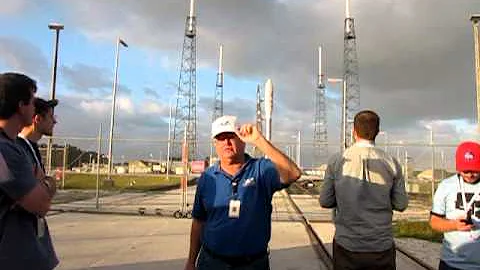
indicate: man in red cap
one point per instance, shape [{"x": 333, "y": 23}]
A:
[{"x": 456, "y": 211}]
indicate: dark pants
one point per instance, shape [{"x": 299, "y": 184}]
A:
[
  {"x": 444, "y": 266},
  {"x": 208, "y": 261},
  {"x": 348, "y": 260}
]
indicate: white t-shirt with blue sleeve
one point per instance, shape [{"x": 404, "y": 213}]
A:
[{"x": 460, "y": 249}]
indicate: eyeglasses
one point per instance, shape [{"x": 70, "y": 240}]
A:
[{"x": 225, "y": 136}]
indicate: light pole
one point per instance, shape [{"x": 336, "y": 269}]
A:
[
  {"x": 406, "y": 168},
  {"x": 169, "y": 134},
  {"x": 476, "y": 37},
  {"x": 299, "y": 149},
  {"x": 56, "y": 27},
  {"x": 112, "y": 117},
  {"x": 430, "y": 127},
  {"x": 90, "y": 162}
]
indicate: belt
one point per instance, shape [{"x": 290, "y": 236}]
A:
[{"x": 235, "y": 260}]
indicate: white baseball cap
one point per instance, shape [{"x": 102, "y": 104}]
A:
[{"x": 226, "y": 123}]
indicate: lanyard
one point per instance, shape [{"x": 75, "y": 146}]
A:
[
  {"x": 31, "y": 149},
  {"x": 466, "y": 207},
  {"x": 234, "y": 187}
]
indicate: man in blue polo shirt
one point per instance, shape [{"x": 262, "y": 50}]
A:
[{"x": 231, "y": 224}]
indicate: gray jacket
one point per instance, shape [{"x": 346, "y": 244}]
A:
[{"x": 364, "y": 185}]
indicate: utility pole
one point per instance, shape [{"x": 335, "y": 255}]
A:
[
  {"x": 112, "y": 115},
  {"x": 476, "y": 37},
  {"x": 299, "y": 149},
  {"x": 56, "y": 27}
]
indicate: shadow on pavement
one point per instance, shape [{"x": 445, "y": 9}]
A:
[{"x": 301, "y": 258}]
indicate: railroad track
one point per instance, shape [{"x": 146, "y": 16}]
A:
[
  {"x": 315, "y": 240},
  {"x": 407, "y": 259}
]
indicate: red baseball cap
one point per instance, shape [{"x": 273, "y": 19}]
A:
[{"x": 467, "y": 157}]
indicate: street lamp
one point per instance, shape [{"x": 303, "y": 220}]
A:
[
  {"x": 112, "y": 119},
  {"x": 169, "y": 134},
  {"x": 430, "y": 127},
  {"x": 298, "y": 148},
  {"x": 476, "y": 36},
  {"x": 56, "y": 27}
]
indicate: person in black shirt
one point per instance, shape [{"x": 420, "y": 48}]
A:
[
  {"x": 42, "y": 124},
  {"x": 25, "y": 193}
]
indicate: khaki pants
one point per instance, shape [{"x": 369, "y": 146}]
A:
[{"x": 349, "y": 260}]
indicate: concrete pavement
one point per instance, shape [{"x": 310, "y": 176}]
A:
[{"x": 92, "y": 241}]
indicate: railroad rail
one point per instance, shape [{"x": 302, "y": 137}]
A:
[{"x": 319, "y": 247}]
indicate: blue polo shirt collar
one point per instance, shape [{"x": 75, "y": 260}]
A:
[{"x": 217, "y": 169}]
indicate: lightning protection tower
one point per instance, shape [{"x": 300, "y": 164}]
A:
[
  {"x": 351, "y": 91},
  {"x": 218, "y": 101},
  {"x": 186, "y": 110},
  {"x": 320, "y": 137},
  {"x": 258, "y": 118}
]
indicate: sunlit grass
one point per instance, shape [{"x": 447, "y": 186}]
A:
[
  {"x": 416, "y": 229},
  {"x": 130, "y": 182}
]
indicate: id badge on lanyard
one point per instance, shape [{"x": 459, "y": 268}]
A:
[
  {"x": 234, "y": 209},
  {"x": 234, "y": 204},
  {"x": 40, "y": 227},
  {"x": 467, "y": 206}
]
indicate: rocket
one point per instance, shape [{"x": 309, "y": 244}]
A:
[{"x": 220, "y": 67}]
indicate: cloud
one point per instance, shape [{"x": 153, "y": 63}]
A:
[
  {"x": 96, "y": 107},
  {"x": 21, "y": 56},
  {"x": 85, "y": 78},
  {"x": 12, "y": 7},
  {"x": 155, "y": 108},
  {"x": 125, "y": 105},
  {"x": 406, "y": 54},
  {"x": 151, "y": 93},
  {"x": 415, "y": 57}
]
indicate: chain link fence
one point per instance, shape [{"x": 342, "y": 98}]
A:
[{"x": 147, "y": 156}]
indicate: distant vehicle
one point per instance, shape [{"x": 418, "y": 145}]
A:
[{"x": 308, "y": 184}]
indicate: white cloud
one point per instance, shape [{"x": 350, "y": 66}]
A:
[
  {"x": 150, "y": 107},
  {"x": 95, "y": 107},
  {"x": 11, "y": 7},
  {"x": 125, "y": 104}
]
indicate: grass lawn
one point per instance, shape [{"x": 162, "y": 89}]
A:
[
  {"x": 121, "y": 182},
  {"x": 416, "y": 229}
]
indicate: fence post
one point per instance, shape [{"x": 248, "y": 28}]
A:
[
  {"x": 64, "y": 162},
  {"x": 99, "y": 150}
]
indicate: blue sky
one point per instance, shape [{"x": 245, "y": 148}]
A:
[{"x": 414, "y": 69}]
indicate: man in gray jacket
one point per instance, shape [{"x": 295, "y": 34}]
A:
[{"x": 364, "y": 184}]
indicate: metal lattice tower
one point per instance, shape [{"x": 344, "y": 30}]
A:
[
  {"x": 258, "y": 111},
  {"x": 218, "y": 101},
  {"x": 186, "y": 109},
  {"x": 320, "y": 137},
  {"x": 258, "y": 118},
  {"x": 351, "y": 84}
]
